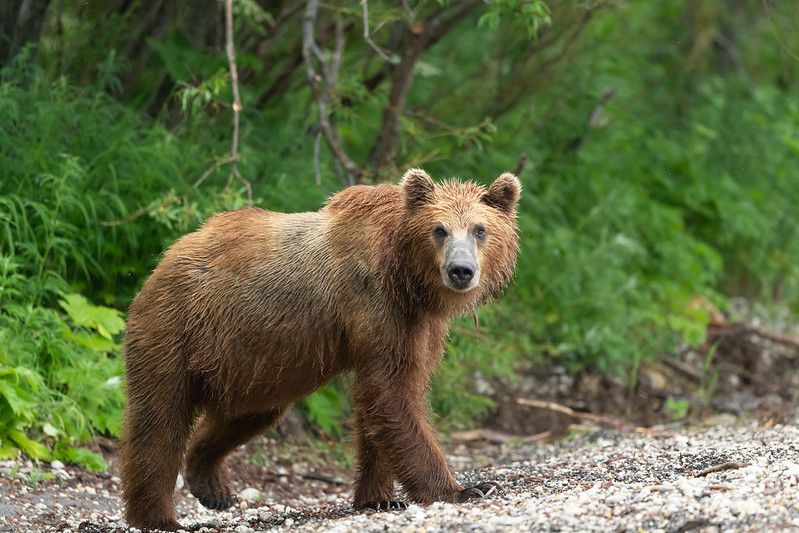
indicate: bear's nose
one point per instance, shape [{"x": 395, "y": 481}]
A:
[{"x": 460, "y": 275}]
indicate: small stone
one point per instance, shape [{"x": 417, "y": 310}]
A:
[
  {"x": 250, "y": 494},
  {"x": 791, "y": 471},
  {"x": 57, "y": 465},
  {"x": 289, "y": 522}
]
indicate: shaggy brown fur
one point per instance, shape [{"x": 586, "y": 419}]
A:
[{"x": 259, "y": 309}]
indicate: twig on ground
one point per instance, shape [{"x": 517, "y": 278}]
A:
[
  {"x": 324, "y": 479},
  {"x": 230, "y": 50},
  {"x": 730, "y": 465},
  {"x": 604, "y": 420},
  {"x": 683, "y": 368},
  {"x": 544, "y": 435},
  {"x": 733, "y": 329}
]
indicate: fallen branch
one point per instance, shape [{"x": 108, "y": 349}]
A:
[
  {"x": 324, "y": 479},
  {"x": 737, "y": 329},
  {"x": 731, "y": 465},
  {"x": 603, "y": 420}
]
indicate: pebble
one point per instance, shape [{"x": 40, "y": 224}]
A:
[
  {"x": 250, "y": 495},
  {"x": 601, "y": 481}
]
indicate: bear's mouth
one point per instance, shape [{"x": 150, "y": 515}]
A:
[{"x": 460, "y": 283}]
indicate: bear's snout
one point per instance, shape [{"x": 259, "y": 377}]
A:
[{"x": 461, "y": 271}]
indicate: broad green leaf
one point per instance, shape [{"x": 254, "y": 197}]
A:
[{"x": 32, "y": 449}]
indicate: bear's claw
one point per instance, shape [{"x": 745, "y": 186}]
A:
[
  {"x": 387, "y": 505},
  {"x": 480, "y": 490},
  {"x": 220, "y": 504}
]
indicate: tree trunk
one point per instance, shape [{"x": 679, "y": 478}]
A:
[{"x": 21, "y": 22}]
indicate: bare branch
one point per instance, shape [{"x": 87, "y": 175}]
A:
[
  {"x": 234, "y": 84},
  {"x": 402, "y": 77},
  {"x": 521, "y": 164},
  {"x": 776, "y": 34},
  {"x": 323, "y": 94},
  {"x": 316, "y": 168},
  {"x": 382, "y": 53}
]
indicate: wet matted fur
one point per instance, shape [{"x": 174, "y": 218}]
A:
[{"x": 257, "y": 309}]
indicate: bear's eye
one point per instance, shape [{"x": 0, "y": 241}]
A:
[
  {"x": 440, "y": 233},
  {"x": 480, "y": 232}
]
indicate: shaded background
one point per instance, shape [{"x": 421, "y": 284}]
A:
[{"x": 658, "y": 144}]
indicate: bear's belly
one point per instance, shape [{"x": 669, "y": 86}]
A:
[{"x": 270, "y": 370}]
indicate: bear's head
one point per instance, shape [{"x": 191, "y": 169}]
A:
[{"x": 464, "y": 235}]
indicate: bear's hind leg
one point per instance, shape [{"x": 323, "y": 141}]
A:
[
  {"x": 151, "y": 452},
  {"x": 213, "y": 439}
]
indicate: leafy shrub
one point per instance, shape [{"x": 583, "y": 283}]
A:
[
  {"x": 60, "y": 374},
  {"x": 683, "y": 184}
]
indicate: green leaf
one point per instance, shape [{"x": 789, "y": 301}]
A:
[
  {"x": 82, "y": 457},
  {"x": 32, "y": 449},
  {"x": 105, "y": 320},
  {"x": 7, "y": 452},
  {"x": 9, "y": 393}
]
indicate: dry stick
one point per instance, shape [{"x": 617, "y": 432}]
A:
[
  {"x": 599, "y": 419},
  {"x": 310, "y": 52},
  {"x": 779, "y": 338},
  {"x": 317, "y": 170},
  {"x": 731, "y": 465},
  {"x": 234, "y": 83},
  {"x": 596, "y": 112},
  {"x": 522, "y": 163}
]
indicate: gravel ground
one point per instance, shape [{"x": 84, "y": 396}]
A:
[{"x": 600, "y": 480}]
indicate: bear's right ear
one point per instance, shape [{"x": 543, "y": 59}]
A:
[{"x": 418, "y": 187}]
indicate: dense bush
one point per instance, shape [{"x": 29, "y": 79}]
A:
[{"x": 660, "y": 170}]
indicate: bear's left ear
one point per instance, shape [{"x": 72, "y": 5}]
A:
[
  {"x": 418, "y": 187},
  {"x": 504, "y": 193}
]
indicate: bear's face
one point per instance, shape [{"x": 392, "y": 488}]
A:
[{"x": 464, "y": 235}]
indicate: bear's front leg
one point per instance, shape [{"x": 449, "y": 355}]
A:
[
  {"x": 374, "y": 485},
  {"x": 393, "y": 414}
]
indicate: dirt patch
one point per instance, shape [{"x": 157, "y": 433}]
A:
[{"x": 741, "y": 369}]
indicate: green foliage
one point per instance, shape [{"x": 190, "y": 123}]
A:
[
  {"x": 531, "y": 14},
  {"x": 326, "y": 409},
  {"x": 60, "y": 375},
  {"x": 676, "y": 409},
  {"x": 680, "y": 184}
]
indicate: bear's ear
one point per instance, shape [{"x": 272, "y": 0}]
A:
[
  {"x": 504, "y": 193},
  {"x": 417, "y": 187}
]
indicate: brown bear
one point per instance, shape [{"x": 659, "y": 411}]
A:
[{"x": 257, "y": 309}]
